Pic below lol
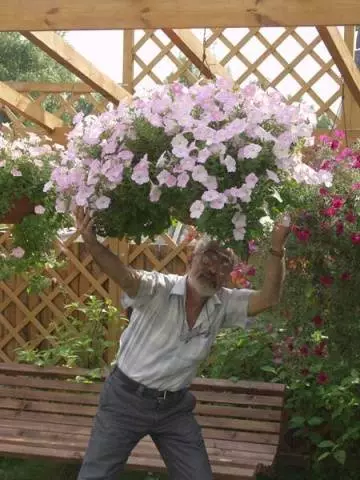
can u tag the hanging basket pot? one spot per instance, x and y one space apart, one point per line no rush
20 209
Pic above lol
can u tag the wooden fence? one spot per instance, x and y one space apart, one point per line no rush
31 318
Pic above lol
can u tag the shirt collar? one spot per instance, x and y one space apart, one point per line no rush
179 288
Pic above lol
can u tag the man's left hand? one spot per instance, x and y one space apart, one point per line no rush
280 233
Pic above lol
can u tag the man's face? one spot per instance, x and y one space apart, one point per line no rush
210 270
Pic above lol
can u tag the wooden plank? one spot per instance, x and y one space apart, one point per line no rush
197 53
33 427
49 418
55 46
238 412
244 386
144 448
48 407
53 372
343 59
128 60
238 399
47 87
147 14
51 396
41 384
236 424
23 105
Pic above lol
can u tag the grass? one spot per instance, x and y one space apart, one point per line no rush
14 469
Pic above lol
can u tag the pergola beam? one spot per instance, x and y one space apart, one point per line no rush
31 111
343 59
194 50
149 14
55 46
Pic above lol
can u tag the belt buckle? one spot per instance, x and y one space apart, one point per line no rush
163 396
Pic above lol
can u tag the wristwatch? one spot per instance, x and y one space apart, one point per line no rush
277 253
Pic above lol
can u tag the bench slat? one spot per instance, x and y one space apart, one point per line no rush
93 400
135 462
198 383
32 427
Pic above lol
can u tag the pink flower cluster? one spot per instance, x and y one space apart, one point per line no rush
214 121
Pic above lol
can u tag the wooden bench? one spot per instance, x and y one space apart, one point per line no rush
44 415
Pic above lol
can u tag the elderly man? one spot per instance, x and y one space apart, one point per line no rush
174 322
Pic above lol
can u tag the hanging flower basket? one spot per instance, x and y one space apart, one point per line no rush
20 208
25 169
214 153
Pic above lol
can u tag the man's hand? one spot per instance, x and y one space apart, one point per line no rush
85 225
280 233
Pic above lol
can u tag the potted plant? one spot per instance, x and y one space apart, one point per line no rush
213 155
27 207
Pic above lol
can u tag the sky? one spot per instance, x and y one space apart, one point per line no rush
104 50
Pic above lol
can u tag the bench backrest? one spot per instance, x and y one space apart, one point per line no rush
246 412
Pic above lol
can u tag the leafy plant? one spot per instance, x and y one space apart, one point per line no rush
80 340
25 169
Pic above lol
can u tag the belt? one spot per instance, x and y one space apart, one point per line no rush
138 388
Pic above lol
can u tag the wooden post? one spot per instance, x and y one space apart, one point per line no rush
128 61
350 115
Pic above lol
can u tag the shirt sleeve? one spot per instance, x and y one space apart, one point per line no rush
236 309
149 282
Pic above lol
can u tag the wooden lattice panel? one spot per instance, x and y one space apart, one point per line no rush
31 318
293 60
62 100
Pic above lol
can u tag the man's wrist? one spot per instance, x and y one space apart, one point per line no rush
277 252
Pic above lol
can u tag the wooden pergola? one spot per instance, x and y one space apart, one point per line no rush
40 22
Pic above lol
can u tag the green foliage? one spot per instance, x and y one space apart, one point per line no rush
79 340
21 60
25 169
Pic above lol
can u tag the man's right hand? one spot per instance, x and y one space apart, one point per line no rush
85 225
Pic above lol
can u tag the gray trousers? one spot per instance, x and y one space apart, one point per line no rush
124 418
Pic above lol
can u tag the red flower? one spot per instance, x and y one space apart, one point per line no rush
318 321
345 276
322 378
326 280
304 350
355 186
356 164
350 217
338 202
335 144
355 238
329 212
302 235
321 349
251 271
323 191
339 228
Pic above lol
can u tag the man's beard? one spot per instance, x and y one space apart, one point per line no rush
203 288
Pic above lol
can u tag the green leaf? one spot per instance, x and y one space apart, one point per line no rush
326 444
323 456
276 195
268 369
297 422
315 421
340 456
